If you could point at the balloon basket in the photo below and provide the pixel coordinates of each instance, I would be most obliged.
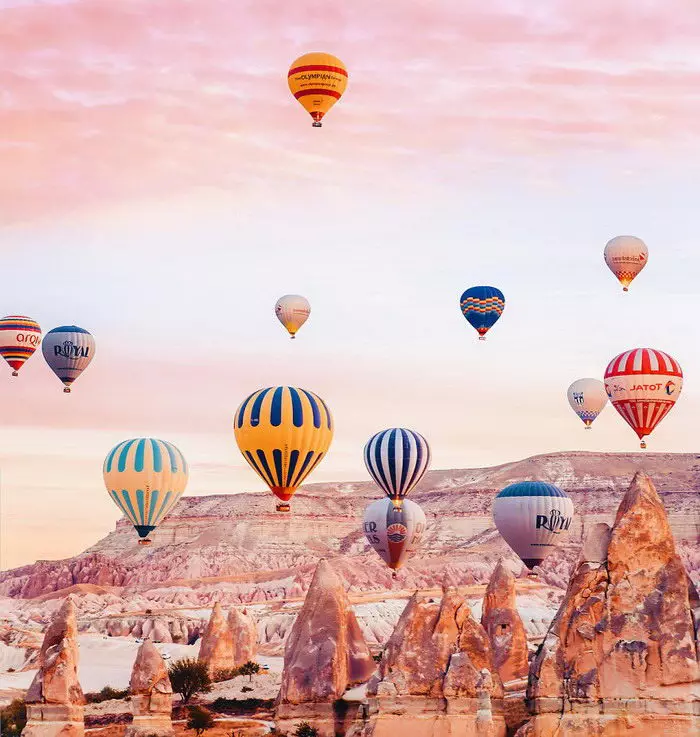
(588, 427)
(283, 508)
(532, 575)
(643, 445)
(316, 124)
(144, 541)
(15, 373)
(394, 575)
(291, 337)
(482, 337)
(66, 390)
(625, 289)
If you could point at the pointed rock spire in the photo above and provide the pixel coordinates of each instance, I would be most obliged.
(216, 649)
(151, 695)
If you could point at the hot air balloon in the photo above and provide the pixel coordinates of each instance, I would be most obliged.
(626, 256)
(19, 338)
(145, 477)
(482, 306)
(587, 398)
(68, 350)
(292, 311)
(533, 517)
(283, 432)
(394, 533)
(643, 384)
(397, 459)
(317, 81)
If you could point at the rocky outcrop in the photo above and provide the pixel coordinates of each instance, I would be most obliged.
(216, 649)
(621, 656)
(55, 700)
(437, 674)
(244, 636)
(151, 695)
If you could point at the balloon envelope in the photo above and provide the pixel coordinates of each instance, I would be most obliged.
(533, 517)
(394, 533)
(19, 338)
(643, 385)
(397, 460)
(482, 306)
(68, 350)
(626, 256)
(283, 432)
(145, 478)
(292, 311)
(317, 81)
(587, 398)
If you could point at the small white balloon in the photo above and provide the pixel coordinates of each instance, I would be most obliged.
(292, 311)
(587, 398)
(394, 533)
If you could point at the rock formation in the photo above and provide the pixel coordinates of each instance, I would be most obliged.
(55, 700)
(151, 695)
(437, 674)
(216, 649)
(244, 636)
(621, 656)
(324, 656)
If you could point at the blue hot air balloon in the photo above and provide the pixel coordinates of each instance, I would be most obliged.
(482, 306)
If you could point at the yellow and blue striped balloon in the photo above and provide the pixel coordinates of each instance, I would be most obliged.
(145, 478)
(283, 432)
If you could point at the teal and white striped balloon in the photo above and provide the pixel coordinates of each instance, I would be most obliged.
(145, 477)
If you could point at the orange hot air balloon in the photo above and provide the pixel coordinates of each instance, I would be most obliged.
(317, 81)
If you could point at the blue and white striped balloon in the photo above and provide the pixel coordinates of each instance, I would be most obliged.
(397, 460)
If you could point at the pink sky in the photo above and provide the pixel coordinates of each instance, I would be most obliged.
(161, 188)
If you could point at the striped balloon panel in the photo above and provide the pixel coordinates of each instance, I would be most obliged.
(68, 350)
(482, 306)
(317, 81)
(145, 477)
(283, 433)
(394, 533)
(292, 311)
(397, 460)
(19, 338)
(643, 385)
(533, 517)
(626, 256)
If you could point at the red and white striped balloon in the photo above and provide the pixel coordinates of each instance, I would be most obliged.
(643, 385)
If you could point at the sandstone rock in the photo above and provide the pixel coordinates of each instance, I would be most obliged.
(325, 651)
(244, 636)
(151, 695)
(216, 649)
(504, 626)
(55, 700)
(624, 635)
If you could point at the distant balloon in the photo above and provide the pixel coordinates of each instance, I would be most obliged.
(397, 460)
(626, 256)
(19, 338)
(292, 311)
(533, 517)
(284, 433)
(643, 385)
(587, 398)
(145, 478)
(317, 81)
(394, 533)
(482, 306)
(68, 350)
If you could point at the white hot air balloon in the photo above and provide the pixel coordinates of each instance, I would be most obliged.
(626, 256)
(533, 517)
(394, 533)
(292, 311)
(68, 350)
(587, 398)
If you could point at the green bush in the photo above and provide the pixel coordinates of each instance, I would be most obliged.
(106, 694)
(199, 719)
(249, 669)
(13, 718)
(188, 677)
(225, 674)
(304, 729)
(239, 706)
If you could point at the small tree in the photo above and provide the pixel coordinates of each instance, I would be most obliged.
(304, 729)
(189, 677)
(249, 669)
(13, 718)
(199, 719)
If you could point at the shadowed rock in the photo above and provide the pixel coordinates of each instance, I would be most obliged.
(243, 635)
(151, 695)
(216, 649)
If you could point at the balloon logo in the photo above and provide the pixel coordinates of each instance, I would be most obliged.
(587, 398)
(283, 433)
(292, 311)
(626, 256)
(19, 338)
(643, 385)
(68, 350)
(317, 81)
(395, 534)
(533, 517)
(397, 460)
(145, 478)
(482, 307)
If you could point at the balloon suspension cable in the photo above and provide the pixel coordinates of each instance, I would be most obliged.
(15, 373)
(66, 390)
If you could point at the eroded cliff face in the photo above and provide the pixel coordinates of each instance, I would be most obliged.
(621, 656)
